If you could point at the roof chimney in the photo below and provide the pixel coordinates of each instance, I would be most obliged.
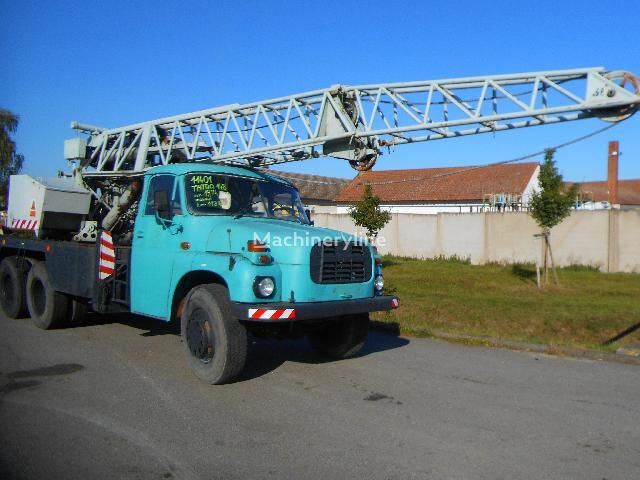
(612, 177)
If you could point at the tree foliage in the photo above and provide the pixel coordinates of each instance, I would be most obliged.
(551, 205)
(367, 213)
(10, 161)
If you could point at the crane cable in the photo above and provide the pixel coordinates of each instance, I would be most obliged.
(468, 169)
(495, 164)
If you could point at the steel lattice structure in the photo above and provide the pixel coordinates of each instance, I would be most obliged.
(355, 122)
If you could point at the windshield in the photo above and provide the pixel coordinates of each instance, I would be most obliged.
(216, 194)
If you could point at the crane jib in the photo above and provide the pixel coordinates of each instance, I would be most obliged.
(354, 122)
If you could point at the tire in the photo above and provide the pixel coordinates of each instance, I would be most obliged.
(13, 302)
(48, 308)
(341, 338)
(214, 342)
(77, 312)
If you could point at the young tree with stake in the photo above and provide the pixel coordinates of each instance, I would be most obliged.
(550, 206)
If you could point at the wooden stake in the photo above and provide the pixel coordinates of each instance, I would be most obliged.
(553, 265)
(545, 264)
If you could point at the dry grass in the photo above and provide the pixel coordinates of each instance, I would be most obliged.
(504, 302)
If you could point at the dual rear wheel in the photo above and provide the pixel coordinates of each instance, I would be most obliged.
(25, 289)
(13, 301)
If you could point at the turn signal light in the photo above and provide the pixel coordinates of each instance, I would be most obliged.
(256, 246)
(264, 259)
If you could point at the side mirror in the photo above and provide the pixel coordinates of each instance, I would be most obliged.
(308, 214)
(161, 205)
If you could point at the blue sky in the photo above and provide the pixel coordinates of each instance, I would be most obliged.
(118, 62)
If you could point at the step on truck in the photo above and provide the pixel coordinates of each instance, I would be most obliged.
(177, 218)
(224, 250)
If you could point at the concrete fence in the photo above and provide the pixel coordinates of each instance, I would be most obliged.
(607, 239)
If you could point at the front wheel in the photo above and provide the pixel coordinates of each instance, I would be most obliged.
(341, 338)
(214, 342)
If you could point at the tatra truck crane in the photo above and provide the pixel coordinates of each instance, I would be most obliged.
(178, 218)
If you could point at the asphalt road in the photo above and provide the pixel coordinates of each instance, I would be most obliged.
(115, 400)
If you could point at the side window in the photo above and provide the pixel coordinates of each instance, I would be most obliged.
(163, 197)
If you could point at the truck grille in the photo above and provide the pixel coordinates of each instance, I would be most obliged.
(340, 262)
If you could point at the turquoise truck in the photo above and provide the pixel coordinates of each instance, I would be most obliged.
(226, 251)
(179, 218)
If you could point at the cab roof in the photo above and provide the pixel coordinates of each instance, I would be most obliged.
(201, 167)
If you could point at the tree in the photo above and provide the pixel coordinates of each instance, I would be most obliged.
(367, 213)
(551, 205)
(10, 161)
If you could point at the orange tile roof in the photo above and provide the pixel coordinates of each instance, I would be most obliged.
(628, 191)
(429, 185)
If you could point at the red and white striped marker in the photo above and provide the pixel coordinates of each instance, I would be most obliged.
(107, 265)
(22, 224)
(281, 314)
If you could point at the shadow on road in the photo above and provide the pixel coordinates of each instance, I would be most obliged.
(264, 355)
(151, 327)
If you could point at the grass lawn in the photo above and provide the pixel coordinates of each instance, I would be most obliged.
(504, 302)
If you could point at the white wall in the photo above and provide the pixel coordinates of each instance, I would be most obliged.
(609, 239)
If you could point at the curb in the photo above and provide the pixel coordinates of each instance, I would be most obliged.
(394, 329)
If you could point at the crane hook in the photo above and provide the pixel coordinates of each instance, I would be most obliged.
(633, 80)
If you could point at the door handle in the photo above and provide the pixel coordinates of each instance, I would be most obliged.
(140, 235)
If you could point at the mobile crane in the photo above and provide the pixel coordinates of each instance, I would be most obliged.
(169, 218)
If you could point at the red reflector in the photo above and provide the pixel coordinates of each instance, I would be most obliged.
(264, 258)
(395, 303)
(48, 248)
(185, 245)
(255, 246)
(378, 261)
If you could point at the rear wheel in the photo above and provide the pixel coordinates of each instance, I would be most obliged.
(48, 308)
(13, 303)
(342, 338)
(214, 342)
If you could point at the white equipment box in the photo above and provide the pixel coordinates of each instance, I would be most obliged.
(46, 203)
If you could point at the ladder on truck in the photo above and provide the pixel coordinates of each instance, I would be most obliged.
(354, 123)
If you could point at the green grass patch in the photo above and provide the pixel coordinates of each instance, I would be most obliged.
(503, 301)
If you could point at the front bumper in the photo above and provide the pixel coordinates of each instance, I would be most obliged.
(287, 312)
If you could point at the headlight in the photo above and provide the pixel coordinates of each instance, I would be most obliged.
(264, 287)
(378, 283)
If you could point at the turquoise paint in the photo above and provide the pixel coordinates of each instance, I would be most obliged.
(158, 262)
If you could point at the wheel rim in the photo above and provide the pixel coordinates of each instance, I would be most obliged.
(39, 297)
(6, 289)
(200, 336)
